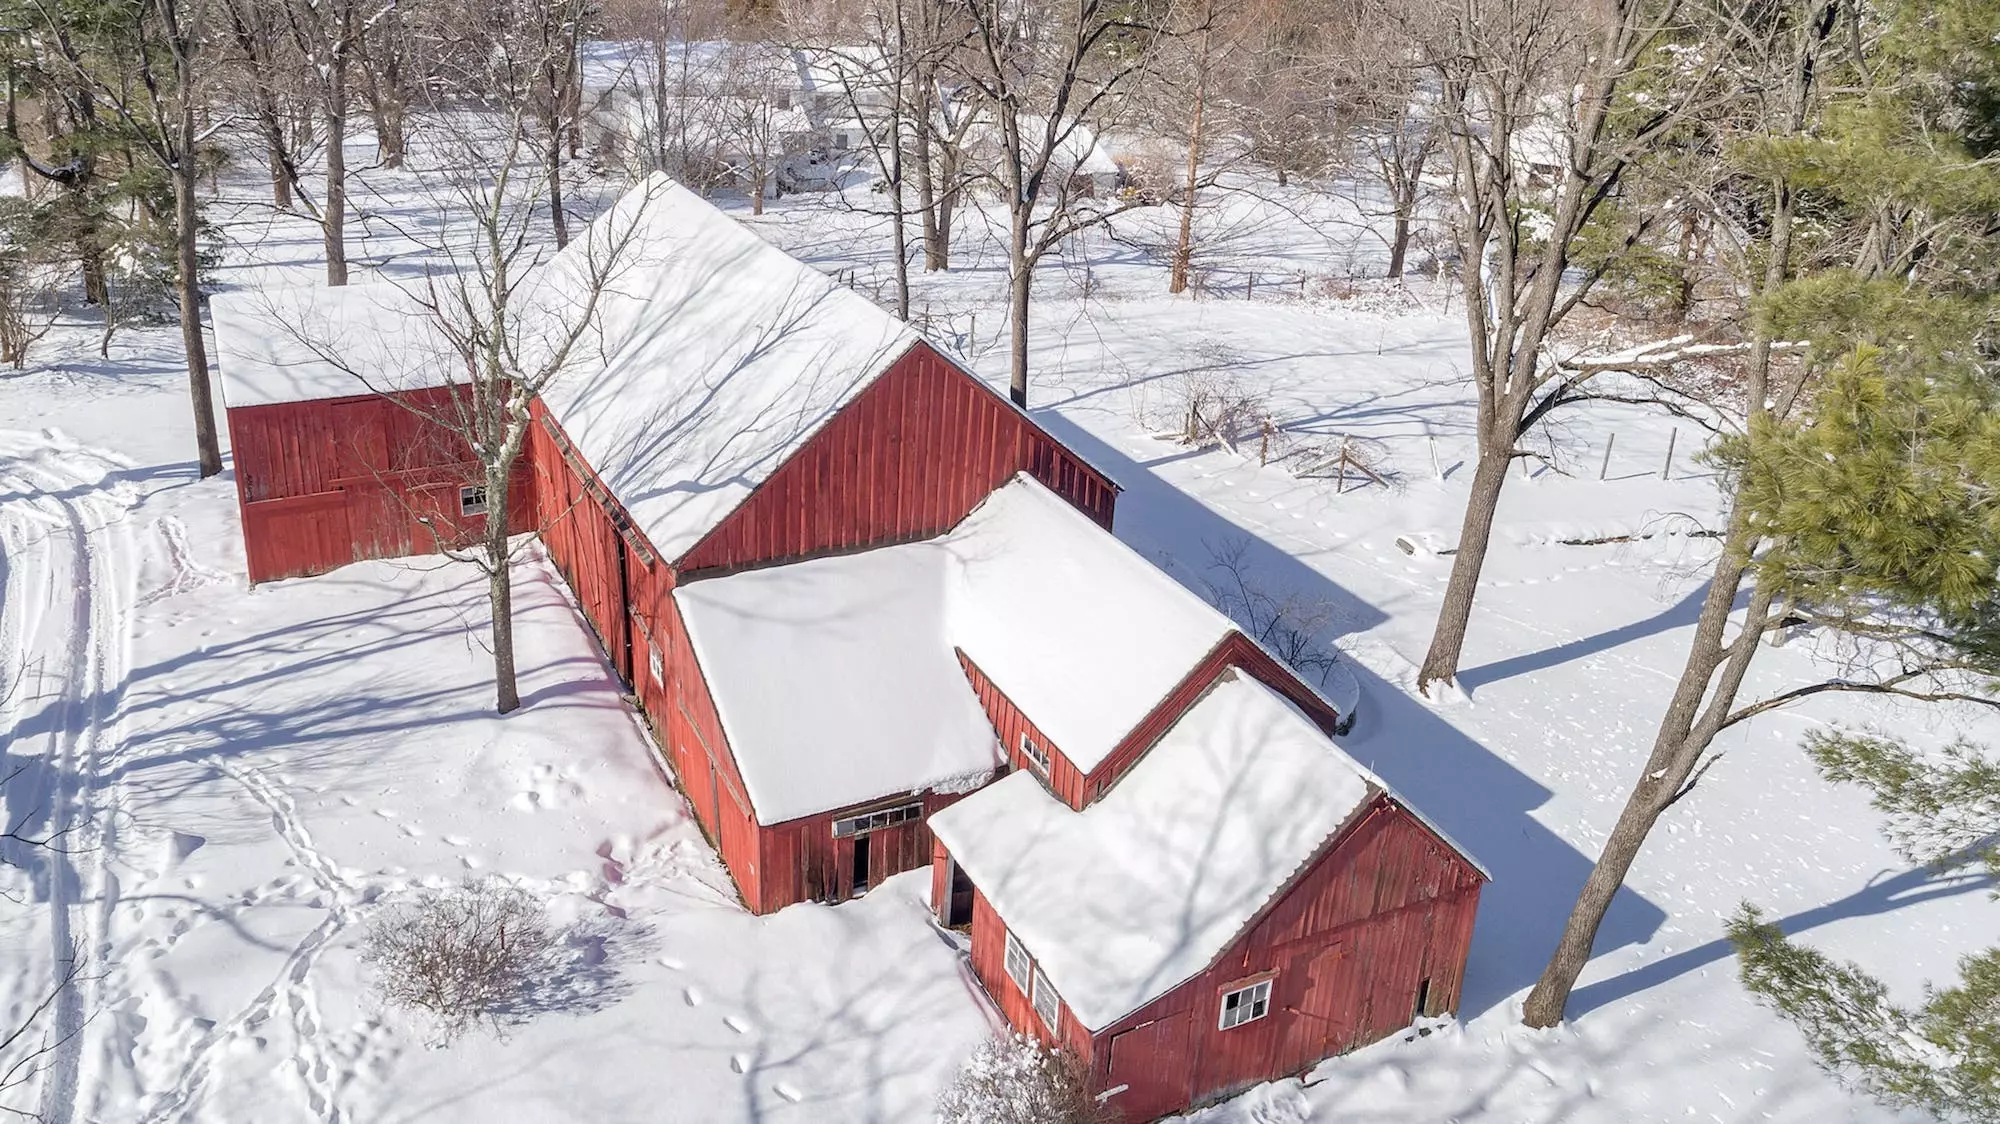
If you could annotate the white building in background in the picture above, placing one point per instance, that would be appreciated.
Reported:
(726, 113)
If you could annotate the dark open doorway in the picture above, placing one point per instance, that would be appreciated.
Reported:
(860, 863)
(958, 905)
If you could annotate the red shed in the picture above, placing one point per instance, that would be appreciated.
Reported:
(337, 456)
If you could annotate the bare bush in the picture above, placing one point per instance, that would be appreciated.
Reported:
(462, 955)
(1290, 625)
(1015, 1080)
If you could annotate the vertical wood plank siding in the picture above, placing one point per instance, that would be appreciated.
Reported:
(802, 861)
(325, 483)
(1351, 941)
(1065, 780)
(906, 460)
(1347, 945)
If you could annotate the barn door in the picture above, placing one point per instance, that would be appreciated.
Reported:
(1150, 1067)
(621, 645)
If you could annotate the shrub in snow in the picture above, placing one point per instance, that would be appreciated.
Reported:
(462, 954)
(1013, 1080)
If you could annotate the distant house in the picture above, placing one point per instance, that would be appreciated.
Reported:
(877, 621)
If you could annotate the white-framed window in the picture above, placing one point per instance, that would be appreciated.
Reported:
(1038, 758)
(472, 499)
(1245, 1004)
(1019, 964)
(1047, 1003)
(876, 821)
(654, 663)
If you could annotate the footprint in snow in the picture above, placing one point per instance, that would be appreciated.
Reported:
(787, 1092)
(739, 1063)
(736, 1024)
(672, 962)
(692, 996)
(456, 840)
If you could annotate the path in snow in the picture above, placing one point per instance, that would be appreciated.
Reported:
(67, 560)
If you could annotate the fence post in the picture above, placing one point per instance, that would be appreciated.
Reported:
(1672, 436)
(1435, 469)
(1606, 466)
(1250, 287)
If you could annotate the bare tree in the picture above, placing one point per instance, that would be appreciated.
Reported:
(1529, 101)
(1391, 131)
(147, 66)
(506, 317)
(1052, 75)
(941, 121)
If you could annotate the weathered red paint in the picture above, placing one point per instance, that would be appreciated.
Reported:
(905, 460)
(920, 480)
(1384, 907)
(325, 483)
(1064, 779)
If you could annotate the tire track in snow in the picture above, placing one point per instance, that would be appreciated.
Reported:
(67, 550)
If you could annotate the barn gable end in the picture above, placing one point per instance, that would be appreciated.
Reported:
(905, 460)
(1369, 936)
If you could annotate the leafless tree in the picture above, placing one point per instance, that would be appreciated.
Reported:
(1052, 75)
(1528, 99)
(1390, 129)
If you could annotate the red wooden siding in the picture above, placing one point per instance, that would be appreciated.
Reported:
(802, 861)
(1234, 650)
(989, 963)
(1351, 941)
(1065, 780)
(905, 460)
(325, 483)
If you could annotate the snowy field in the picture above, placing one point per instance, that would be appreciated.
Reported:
(251, 775)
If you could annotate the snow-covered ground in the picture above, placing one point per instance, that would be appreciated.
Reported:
(252, 774)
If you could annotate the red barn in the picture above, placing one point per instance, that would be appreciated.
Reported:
(876, 619)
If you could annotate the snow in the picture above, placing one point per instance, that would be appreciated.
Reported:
(710, 358)
(300, 343)
(1076, 629)
(1141, 891)
(834, 681)
(205, 740)
(836, 678)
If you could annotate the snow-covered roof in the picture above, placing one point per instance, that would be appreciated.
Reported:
(1081, 633)
(310, 342)
(833, 682)
(837, 679)
(713, 356)
(1141, 891)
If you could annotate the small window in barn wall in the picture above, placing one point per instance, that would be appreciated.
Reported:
(655, 664)
(875, 821)
(1245, 1004)
(1037, 757)
(472, 499)
(1047, 1003)
(1019, 966)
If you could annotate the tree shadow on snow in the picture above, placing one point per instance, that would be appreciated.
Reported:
(1477, 797)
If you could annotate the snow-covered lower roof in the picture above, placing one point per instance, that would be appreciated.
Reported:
(1081, 633)
(310, 342)
(837, 678)
(713, 356)
(1141, 891)
(833, 683)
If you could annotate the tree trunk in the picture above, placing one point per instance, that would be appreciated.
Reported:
(756, 190)
(1686, 731)
(553, 159)
(1018, 292)
(187, 287)
(1177, 279)
(1488, 478)
(500, 598)
(335, 217)
(281, 184)
(1399, 243)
